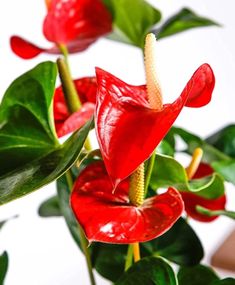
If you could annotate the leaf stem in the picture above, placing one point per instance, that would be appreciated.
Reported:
(84, 242)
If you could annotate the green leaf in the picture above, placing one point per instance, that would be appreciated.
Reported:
(3, 266)
(50, 208)
(165, 148)
(196, 275)
(210, 213)
(132, 20)
(184, 20)
(180, 245)
(226, 168)
(227, 281)
(169, 172)
(26, 123)
(224, 140)
(149, 270)
(43, 170)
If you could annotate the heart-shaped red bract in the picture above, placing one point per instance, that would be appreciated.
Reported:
(64, 121)
(128, 130)
(75, 23)
(109, 217)
(191, 200)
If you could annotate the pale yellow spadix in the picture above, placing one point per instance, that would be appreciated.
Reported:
(196, 160)
(153, 87)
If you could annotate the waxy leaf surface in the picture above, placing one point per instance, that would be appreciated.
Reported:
(182, 21)
(149, 270)
(43, 170)
(109, 217)
(128, 130)
(132, 20)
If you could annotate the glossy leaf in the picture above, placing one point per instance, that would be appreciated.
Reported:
(138, 128)
(224, 140)
(149, 270)
(3, 266)
(85, 20)
(41, 171)
(210, 213)
(109, 217)
(50, 208)
(196, 275)
(132, 20)
(169, 172)
(26, 123)
(183, 20)
(226, 281)
(180, 245)
(226, 168)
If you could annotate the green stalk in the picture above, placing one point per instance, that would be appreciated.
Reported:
(70, 93)
(83, 240)
(149, 171)
(129, 257)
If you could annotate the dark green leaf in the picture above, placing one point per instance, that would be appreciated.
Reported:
(3, 266)
(50, 208)
(132, 20)
(180, 245)
(26, 123)
(197, 275)
(227, 281)
(44, 170)
(224, 140)
(169, 172)
(149, 270)
(184, 20)
(210, 213)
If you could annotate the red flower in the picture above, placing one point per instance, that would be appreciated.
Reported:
(64, 121)
(109, 217)
(128, 129)
(191, 200)
(74, 23)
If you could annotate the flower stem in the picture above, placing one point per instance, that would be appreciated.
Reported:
(149, 171)
(83, 240)
(70, 93)
(136, 251)
(196, 160)
(129, 257)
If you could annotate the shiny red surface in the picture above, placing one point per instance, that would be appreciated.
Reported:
(109, 217)
(66, 123)
(75, 23)
(128, 130)
(192, 200)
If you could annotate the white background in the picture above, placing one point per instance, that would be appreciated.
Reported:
(42, 251)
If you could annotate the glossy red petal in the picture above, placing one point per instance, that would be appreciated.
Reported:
(86, 88)
(76, 120)
(83, 20)
(127, 129)
(24, 49)
(109, 218)
(200, 87)
(191, 200)
(203, 170)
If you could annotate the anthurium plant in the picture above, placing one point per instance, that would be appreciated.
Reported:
(127, 204)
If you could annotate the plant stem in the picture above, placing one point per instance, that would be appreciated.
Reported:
(69, 89)
(129, 257)
(83, 240)
(149, 171)
(136, 251)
